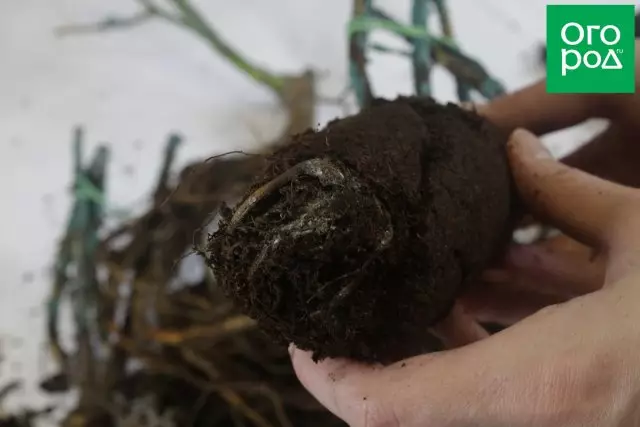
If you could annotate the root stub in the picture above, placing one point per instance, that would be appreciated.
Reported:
(356, 238)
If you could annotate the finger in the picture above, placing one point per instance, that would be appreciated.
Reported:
(340, 385)
(541, 112)
(612, 155)
(532, 277)
(505, 304)
(459, 328)
(551, 269)
(583, 206)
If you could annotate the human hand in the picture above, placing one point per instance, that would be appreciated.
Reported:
(557, 269)
(611, 155)
(570, 364)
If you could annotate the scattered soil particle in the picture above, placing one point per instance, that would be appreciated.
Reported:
(358, 237)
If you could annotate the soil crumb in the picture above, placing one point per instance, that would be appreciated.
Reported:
(358, 237)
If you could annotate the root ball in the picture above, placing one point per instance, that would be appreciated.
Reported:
(358, 237)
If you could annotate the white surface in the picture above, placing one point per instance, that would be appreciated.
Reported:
(139, 84)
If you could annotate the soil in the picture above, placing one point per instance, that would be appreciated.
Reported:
(358, 237)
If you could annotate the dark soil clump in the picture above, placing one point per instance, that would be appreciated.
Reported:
(358, 237)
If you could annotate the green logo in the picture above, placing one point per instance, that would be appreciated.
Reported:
(590, 48)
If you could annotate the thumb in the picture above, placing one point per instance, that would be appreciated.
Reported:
(359, 394)
(344, 387)
(583, 206)
(416, 391)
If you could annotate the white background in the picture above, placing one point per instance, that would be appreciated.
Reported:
(132, 87)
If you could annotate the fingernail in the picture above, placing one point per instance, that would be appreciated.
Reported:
(522, 139)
